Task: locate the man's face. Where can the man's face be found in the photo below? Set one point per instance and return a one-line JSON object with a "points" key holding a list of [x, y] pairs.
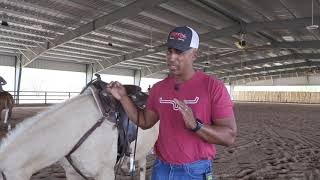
{"points": [[180, 62]]}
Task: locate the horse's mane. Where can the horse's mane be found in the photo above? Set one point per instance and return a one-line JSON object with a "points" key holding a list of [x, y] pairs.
{"points": [[27, 123]]}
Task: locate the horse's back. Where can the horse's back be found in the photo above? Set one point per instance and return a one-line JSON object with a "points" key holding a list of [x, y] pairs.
{"points": [[5, 98], [6, 101]]}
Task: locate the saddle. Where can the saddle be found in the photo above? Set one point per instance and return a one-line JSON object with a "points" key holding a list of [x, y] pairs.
{"points": [[127, 130]]}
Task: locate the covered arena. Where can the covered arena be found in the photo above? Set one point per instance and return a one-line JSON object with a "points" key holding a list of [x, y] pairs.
{"points": [[266, 52]]}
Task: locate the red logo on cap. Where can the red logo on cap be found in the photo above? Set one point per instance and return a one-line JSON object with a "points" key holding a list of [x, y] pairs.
{"points": [[178, 35]]}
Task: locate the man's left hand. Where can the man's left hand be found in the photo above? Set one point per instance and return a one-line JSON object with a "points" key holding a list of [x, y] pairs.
{"points": [[187, 114]]}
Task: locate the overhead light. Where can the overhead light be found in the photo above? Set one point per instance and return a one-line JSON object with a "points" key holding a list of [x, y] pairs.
{"points": [[4, 23], [271, 54], [312, 26], [288, 38], [38, 26], [151, 50], [277, 64], [241, 44]]}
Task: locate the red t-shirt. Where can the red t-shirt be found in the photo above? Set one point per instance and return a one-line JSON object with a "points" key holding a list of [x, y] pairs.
{"points": [[209, 101]]}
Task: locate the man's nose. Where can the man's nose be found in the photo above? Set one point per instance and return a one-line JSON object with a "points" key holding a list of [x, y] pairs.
{"points": [[172, 57]]}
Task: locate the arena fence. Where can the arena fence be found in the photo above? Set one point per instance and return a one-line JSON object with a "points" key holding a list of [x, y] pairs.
{"points": [[41, 97], [281, 97]]}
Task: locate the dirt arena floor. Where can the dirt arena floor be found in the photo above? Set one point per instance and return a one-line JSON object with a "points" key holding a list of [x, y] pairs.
{"points": [[275, 141]]}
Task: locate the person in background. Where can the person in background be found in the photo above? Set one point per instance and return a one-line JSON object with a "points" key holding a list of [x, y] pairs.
{"points": [[2, 82], [194, 109], [149, 89]]}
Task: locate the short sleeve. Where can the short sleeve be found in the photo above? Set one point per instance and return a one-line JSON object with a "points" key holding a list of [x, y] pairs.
{"points": [[151, 102], [221, 103]]}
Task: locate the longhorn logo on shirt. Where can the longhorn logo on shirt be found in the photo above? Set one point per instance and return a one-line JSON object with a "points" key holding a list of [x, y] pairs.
{"points": [[175, 105]]}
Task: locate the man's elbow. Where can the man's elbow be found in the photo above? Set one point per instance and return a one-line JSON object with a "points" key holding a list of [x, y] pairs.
{"points": [[145, 126], [232, 138]]}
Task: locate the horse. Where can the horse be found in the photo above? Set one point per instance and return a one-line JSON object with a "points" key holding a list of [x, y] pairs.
{"points": [[6, 103], [48, 137]]}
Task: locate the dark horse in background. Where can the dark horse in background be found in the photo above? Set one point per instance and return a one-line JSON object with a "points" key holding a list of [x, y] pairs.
{"points": [[6, 102]]}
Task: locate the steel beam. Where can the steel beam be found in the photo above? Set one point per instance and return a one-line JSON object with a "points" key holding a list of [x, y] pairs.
{"points": [[279, 73], [247, 27], [267, 69], [266, 60], [130, 10]]}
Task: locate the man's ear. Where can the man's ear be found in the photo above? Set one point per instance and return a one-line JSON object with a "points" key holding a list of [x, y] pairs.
{"points": [[194, 54]]}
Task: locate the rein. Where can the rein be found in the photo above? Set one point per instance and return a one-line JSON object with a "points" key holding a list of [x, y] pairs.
{"points": [[80, 142], [3, 176], [87, 134], [135, 146]]}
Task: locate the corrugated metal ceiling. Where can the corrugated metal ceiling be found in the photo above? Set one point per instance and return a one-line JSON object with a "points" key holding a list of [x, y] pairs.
{"points": [[131, 34]]}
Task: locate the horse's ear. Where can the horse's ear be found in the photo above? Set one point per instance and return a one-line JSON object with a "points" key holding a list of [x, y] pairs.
{"points": [[98, 76]]}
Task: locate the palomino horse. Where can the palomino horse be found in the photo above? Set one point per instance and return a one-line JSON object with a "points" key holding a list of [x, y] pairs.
{"points": [[6, 102], [48, 137]]}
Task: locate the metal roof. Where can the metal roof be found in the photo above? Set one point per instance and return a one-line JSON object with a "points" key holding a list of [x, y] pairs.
{"points": [[131, 34]]}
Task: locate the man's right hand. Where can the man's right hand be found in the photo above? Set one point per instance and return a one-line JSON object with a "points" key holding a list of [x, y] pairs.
{"points": [[117, 90]]}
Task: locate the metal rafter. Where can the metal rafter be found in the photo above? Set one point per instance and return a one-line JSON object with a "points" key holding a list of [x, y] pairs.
{"points": [[22, 37], [118, 59], [278, 73], [29, 32], [34, 24], [89, 49], [265, 60], [249, 27], [267, 69], [42, 8], [128, 11], [24, 13]]}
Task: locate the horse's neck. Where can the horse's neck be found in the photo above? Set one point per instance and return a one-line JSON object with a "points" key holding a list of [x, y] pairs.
{"points": [[60, 127]]}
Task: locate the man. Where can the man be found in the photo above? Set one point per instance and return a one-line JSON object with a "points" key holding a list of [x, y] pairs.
{"points": [[194, 109]]}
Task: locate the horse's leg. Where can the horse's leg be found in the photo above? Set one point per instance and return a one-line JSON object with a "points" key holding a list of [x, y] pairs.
{"points": [[143, 168], [10, 106], [106, 173]]}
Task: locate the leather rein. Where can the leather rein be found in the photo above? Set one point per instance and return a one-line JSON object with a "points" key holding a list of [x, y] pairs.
{"points": [[3, 176], [87, 134]]}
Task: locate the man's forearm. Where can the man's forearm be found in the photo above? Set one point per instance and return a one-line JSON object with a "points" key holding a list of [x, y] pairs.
{"points": [[217, 135], [132, 111]]}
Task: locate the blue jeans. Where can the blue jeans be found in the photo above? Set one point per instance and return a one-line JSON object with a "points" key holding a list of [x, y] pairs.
{"points": [[191, 171]]}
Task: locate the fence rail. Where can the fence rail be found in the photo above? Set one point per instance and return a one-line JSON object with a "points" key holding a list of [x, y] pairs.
{"points": [[276, 96], [42, 97]]}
